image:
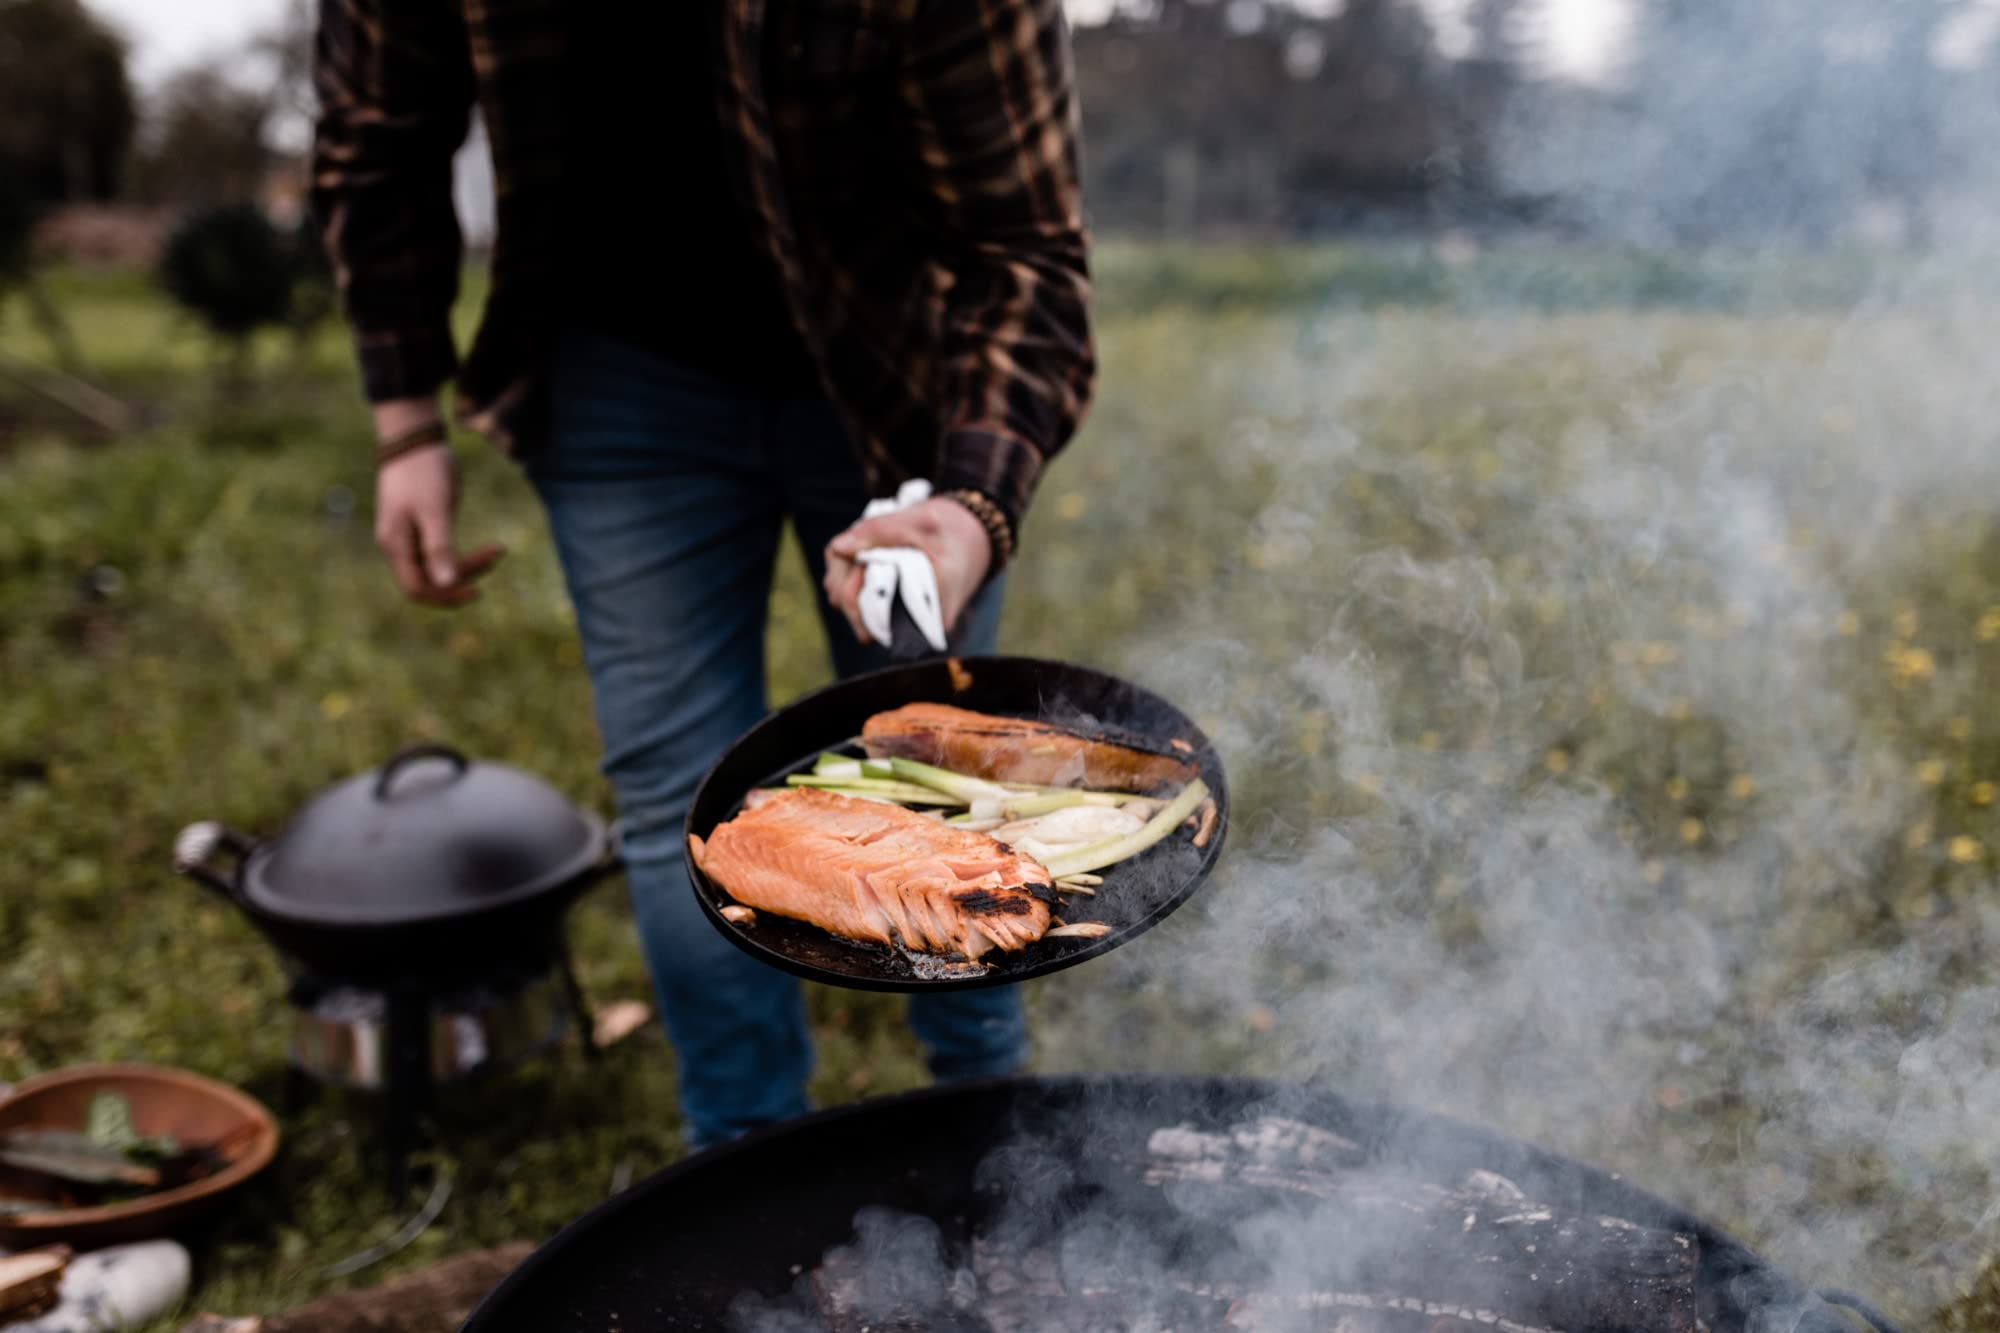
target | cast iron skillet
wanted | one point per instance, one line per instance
(1135, 896)
(746, 1218)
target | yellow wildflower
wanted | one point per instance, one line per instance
(1909, 665)
(1989, 625)
(1982, 793)
(1691, 831)
(1906, 622)
(1959, 728)
(1557, 762)
(1743, 786)
(335, 706)
(1930, 772)
(1677, 789)
(1966, 850)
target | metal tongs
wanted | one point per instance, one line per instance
(901, 577)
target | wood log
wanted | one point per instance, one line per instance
(1479, 1245)
(437, 1299)
(31, 1281)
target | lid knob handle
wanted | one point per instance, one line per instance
(410, 754)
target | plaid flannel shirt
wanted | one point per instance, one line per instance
(909, 166)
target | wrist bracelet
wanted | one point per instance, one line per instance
(990, 518)
(431, 432)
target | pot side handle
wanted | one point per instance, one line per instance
(410, 754)
(198, 842)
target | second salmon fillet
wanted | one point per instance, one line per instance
(870, 871)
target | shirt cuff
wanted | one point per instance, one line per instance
(407, 363)
(1000, 467)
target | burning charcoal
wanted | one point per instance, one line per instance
(1304, 1205)
(894, 1279)
(1355, 1312)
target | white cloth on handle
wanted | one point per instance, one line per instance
(904, 570)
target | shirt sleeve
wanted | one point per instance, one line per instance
(997, 127)
(395, 88)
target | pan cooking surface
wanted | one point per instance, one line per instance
(1136, 894)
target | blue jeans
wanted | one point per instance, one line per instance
(666, 493)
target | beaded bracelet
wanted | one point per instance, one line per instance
(990, 518)
(416, 437)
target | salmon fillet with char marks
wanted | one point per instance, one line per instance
(867, 870)
(1012, 749)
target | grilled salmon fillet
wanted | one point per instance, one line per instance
(1010, 749)
(867, 870)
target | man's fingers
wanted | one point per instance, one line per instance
(440, 562)
(906, 529)
(398, 541)
(479, 562)
(843, 588)
(850, 601)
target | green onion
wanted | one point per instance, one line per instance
(1112, 850)
(966, 789)
(1097, 797)
(1026, 807)
(831, 765)
(906, 792)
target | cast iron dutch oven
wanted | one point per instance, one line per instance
(401, 870)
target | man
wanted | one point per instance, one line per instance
(755, 260)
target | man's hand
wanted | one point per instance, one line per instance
(944, 530)
(416, 498)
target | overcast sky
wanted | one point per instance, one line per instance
(1582, 34)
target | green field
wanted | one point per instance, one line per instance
(1602, 651)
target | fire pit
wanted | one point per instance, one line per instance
(1142, 1202)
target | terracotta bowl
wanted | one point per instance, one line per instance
(191, 1108)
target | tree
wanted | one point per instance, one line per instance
(66, 106)
(235, 271)
(65, 124)
(206, 141)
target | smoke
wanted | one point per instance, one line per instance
(1587, 685)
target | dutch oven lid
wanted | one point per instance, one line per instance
(429, 834)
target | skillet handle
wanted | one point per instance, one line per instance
(197, 843)
(410, 754)
(907, 643)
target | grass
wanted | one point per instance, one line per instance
(1605, 685)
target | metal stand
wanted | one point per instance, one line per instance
(406, 1078)
(586, 1025)
(409, 1093)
